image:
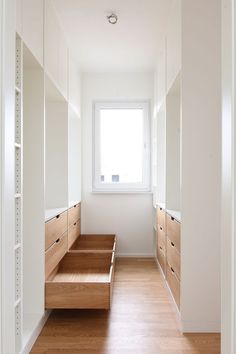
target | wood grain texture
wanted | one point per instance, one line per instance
(83, 281)
(173, 257)
(141, 321)
(73, 233)
(54, 228)
(73, 214)
(55, 253)
(161, 218)
(173, 283)
(173, 231)
(95, 243)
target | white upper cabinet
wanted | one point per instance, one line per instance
(29, 25)
(55, 50)
(19, 17)
(173, 44)
(74, 86)
(161, 75)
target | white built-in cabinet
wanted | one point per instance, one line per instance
(56, 51)
(48, 169)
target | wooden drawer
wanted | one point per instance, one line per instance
(161, 258)
(161, 218)
(82, 281)
(96, 243)
(173, 283)
(173, 257)
(73, 233)
(55, 253)
(161, 237)
(173, 231)
(73, 214)
(54, 228)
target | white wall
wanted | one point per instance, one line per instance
(127, 215)
(201, 165)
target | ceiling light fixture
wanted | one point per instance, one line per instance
(112, 19)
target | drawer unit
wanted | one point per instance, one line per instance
(73, 233)
(55, 253)
(54, 228)
(173, 283)
(161, 218)
(173, 257)
(97, 243)
(161, 257)
(173, 231)
(81, 281)
(161, 237)
(73, 214)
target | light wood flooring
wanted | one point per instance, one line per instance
(141, 321)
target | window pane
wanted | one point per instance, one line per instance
(121, 145)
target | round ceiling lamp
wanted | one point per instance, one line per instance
(112, 19)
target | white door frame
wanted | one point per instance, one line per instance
(228, 230)
(7, 189)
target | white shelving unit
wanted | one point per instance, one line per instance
(18, 196)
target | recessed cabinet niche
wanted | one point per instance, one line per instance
(33, 193)
(56, 154)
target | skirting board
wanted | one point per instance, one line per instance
(198, 327)
(28, 346)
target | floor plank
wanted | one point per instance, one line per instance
(141, 321)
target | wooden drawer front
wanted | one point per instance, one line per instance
(173, 283)
(161, 258)
(161, 237)
(73, 233)
(74, 214)
(173, 231)
(82, 281)
(173, 257)
(161, 218)
(55, 228)
(55, 253)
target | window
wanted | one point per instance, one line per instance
(121, 151)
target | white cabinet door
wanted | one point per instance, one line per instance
(74, 85)
(56, 51)
(32, 26)
(161, 75)
(19, 17)
(173, 44)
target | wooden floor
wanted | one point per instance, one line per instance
(142, 321)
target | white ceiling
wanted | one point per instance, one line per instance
(130, 45)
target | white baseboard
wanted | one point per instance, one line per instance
(132, 255)
(201, 327)
(35, 333)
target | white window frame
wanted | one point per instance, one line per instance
(101, 187)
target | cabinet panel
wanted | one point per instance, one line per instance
(19, 17)
(161, 218)
(55, 50)
(173, 283)
(74, 86)
(173, 44)
(173, 257)
(55, 253)
(32, 26)
(173, 231)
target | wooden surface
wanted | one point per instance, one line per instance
(173, 283)
(141, 321)
(173, 257)
(73, 214)
(95, 242)
(173, 231)
(161, 218)
(73, 233)
(54, 228)
(83, 280)
(55, 253)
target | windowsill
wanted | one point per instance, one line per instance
(121, 192)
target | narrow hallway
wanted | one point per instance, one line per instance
(141, 320)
